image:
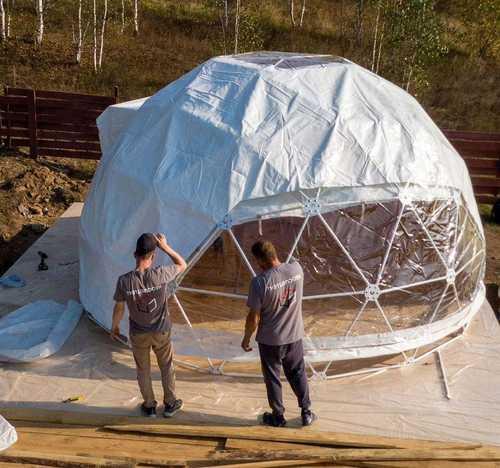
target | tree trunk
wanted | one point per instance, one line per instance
(123, 16)
(79, 41)
(359, 22)
(3, 27)
(10, 5)
(223, 16)
(291, 7)
(136, 17)
(374, 51)
(236, 26)
(103, 30)
(40, 23)
(302, 13)
(95, 35)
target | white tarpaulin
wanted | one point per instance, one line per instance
(37, 330)
(347, 162)
(8, 435)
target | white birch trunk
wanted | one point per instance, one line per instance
(380, 42)
(136, 17)
(236, 26)
(9, 13)
(224, 25)
(123, 16)
(79, 42)
(3, 26)
(374, 51)
(302, 12)
(94, 48)
(291, 7)
(103, 30)
(40, 22)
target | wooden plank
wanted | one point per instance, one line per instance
(45, 459)
(16, 117)
(74, 145)
(14, 142)
(285, 435)
(14, 132)
(69, 118)
(13, 91)
(32, 124)
(75, 128)
(54, 104)
(462, 135)
(479, 163)
(66, 153)
(249, 444)
(76, 97)
(484, 182)
(369, 454)
(94, 432)
(144, 450)
(477, 148)
(270, 464)
(70, 136)
(14, 100)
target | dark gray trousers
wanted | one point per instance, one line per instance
(291, 357)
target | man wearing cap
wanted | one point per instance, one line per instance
(145, 291)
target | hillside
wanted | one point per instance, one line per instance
(458, 82)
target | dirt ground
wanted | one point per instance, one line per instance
(33, 194)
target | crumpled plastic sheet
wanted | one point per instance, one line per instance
(8, 435)
(37, 330)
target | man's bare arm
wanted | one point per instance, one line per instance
(179, 262)
(118, 312)
(251, 324)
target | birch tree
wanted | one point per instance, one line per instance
(302, 12)
(39, 7)
(291, 10)
(79, 40)
(224, 21)
(103, 30)
(237, 13)
(123, 17)
(94, 47)
(10, 5)
(3, 27)
(136, 17)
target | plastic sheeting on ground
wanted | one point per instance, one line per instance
(8, 435)
(37, 330)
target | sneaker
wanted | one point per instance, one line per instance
(308, 417)
(274, 420)
(149, 412)
(170, 410)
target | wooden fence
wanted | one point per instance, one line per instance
(62, 124)
(481, 153)
(52, 123)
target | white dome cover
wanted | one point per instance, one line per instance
(237, 130)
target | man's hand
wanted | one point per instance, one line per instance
(161, 240)
(245, 344)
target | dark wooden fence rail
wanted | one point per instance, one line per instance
(52, 123)
(60, 124)
(481, 153)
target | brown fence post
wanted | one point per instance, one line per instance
(32, 125)
(116, 95)
(7, 120)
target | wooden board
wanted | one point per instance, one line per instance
(288, 435)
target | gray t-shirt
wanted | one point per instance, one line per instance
(277, 294)
(146, 295)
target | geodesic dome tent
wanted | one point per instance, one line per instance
(340, 168)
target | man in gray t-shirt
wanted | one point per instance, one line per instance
(275, 302)
(145, 292)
